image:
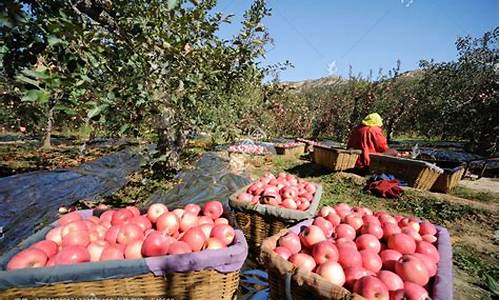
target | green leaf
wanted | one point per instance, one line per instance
(96, 111)
(27, 80)
(124, 128)
(65, 110)
(36, 96)
(54, 40)
(40, 74)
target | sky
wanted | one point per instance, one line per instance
(323, 37)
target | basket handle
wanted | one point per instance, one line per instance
(288, 286)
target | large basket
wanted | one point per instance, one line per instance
(418, 174)
(152, 277)
(205, 284)
(288, 282)
(259, 222)
(335, 159)
(297, 150)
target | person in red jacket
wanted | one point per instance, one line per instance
(369, 138)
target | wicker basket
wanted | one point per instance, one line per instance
(297, 150)
(203, 284)
(334, 158)
(418, 174)
(207, 284)
(288, 282)
(258, 226)
(453, 172)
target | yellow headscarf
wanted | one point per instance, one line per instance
(372, 120)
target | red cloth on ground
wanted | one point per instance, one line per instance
(385, 188)
(368, 140)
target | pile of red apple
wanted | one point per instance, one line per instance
(286, 191)
(375, 255)
(290, 145)
(127, 234)
(248, 149)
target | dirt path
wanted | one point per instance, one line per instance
(481, 185)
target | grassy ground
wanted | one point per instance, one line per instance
(470, 217)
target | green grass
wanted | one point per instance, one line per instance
(471, 194)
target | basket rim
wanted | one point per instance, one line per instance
(340, 150)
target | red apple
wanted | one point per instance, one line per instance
(334, 219)
(195, 237)
(368, 241)
(303, 261)
(134, 250)
(385, 218)
(371, 219)
(245, 197)
(221, 221)
(310, 188)
(142, 221)
(410, 268)
(155, 211)
(169, 223)
(304, 205)
(428, 249)
(402, 243)
(95, 249)
(28, 258)
(343, 242)
(392, 281)
(324, 251)
(205, 220)
(112, 252)
(214, 243)
(389, 258)
(411, 232)
(155, 244)
(134, 210)
(326, 210)
(47, 246)
(325, 225)
(107, 216)
(179, 212)
(55, 235)
(390, 229)
(179, 247)
(112, 234)
(188, 221)
(312, 235)
(192, 209)
(345, 231)
(97, 233)
(129, 233)
(291, 241)
(372, 228)
(289, 203)
(332, 272)
(213, 209)
(224, 233)
(349, 257)
(371, 260)
(76, 226)
(428, 262)
(289, 192)
(354, 273)
(93, 219)
(206, 228)
(427, 227)
(371, 287)
(121, 216)
(284, 252)
(72, 255)
(354, 220)
(429, 238)
(76, 238)
(68, 218)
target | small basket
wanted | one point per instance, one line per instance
(288, 282)
(165, 276)
(452, 174)
(259, 222)
(296, 150)
(335, 159)
(419, 174)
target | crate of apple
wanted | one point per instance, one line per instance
(290, 145)
(127, 234)
(284, 191)
(375, 255)
(248, 149)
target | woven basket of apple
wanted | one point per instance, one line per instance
(349, 252)
(270, 204)
(335, 159)
(187, 253)
(290, 148)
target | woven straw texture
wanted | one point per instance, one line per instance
(303, 285)
(335, 159)
(448, 180)
(206, 284)
(300, 149)
(418, 174)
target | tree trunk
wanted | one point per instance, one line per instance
(171, 140)
(50, 119)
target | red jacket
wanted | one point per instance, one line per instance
(368, 140)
